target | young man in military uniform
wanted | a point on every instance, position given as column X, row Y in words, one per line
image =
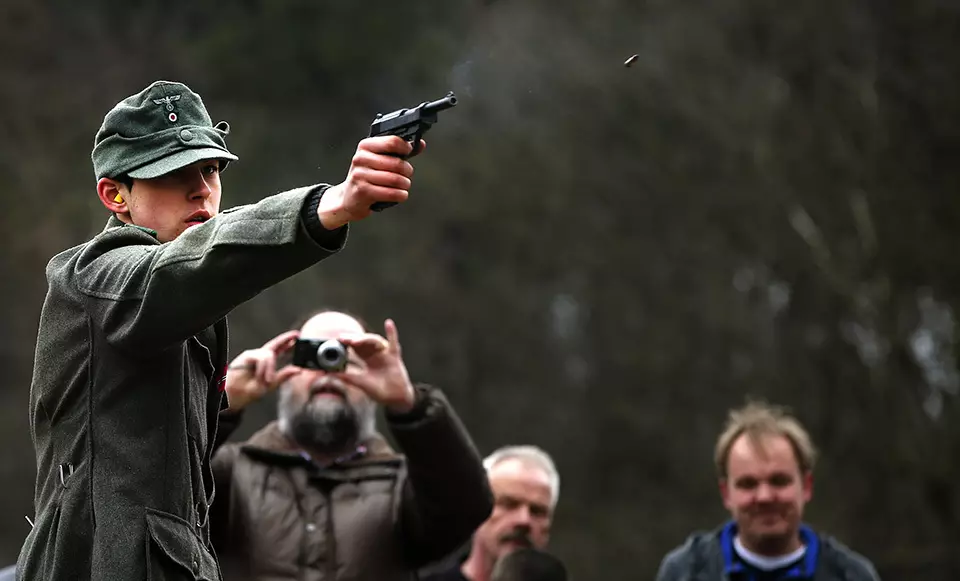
column 132, row 346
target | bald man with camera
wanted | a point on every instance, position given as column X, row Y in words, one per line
column 319, row 493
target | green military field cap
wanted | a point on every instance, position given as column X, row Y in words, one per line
column 160, row 129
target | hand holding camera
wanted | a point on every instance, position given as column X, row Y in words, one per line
column 383, row 375
column 254, row 373
column 380, row 372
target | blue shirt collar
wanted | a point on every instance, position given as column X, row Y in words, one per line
column 803, row 570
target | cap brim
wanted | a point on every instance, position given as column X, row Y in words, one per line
column 178, row 160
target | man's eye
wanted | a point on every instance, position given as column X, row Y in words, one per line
column 781, row 480
column 746, row 484
column 507, row 503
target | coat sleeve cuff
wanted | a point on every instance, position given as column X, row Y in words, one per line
column 421, row 403
column 326, row 239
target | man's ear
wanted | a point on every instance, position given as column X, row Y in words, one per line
column 111, row 194
column 807, row 486
column 724, row 486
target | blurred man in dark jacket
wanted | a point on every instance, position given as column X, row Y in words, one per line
column 765, row 460
column 319, row 494
column 132, row 345
column 526, row 488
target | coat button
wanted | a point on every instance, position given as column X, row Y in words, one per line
column 311, row 527
column 196, row 566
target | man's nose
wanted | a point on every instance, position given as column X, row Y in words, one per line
column 765, row 493
column 522, row 515
column 200, row 186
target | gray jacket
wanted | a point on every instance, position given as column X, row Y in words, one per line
column 702, row 558
column 128, row 383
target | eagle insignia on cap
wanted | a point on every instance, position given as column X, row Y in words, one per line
column 168, row 100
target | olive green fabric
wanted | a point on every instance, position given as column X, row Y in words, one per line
column 128, row 385
column 160, row 129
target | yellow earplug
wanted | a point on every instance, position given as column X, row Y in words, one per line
column 118, row 199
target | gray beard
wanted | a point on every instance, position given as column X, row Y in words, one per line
column 326, row 426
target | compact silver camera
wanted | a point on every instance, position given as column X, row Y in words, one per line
column 325, row 354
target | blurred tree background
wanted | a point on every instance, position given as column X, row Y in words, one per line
column 595, row 258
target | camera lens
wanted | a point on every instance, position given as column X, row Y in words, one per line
column 332, row 356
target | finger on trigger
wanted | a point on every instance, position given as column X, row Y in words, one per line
column 423, row 145
column 401, row 146
column 384, row 145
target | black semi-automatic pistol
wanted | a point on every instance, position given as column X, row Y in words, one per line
column 410, row 124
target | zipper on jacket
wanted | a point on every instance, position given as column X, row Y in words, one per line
column 332, row 544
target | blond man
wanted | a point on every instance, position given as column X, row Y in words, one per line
column 764, row 459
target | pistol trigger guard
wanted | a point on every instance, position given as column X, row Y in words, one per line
column 416, row 142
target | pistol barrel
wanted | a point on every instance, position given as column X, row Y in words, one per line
column 441, row 104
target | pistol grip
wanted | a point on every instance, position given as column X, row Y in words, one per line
column 381, row 206
column 413, row 140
